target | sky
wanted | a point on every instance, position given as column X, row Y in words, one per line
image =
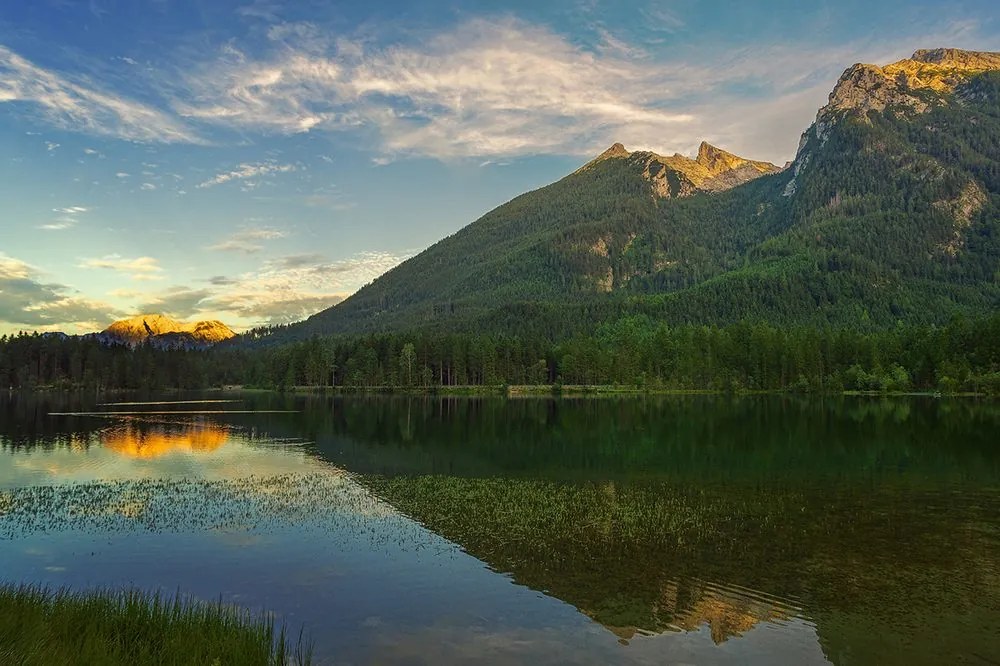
column 256, row 161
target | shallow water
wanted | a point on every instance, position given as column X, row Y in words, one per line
column 702, row 530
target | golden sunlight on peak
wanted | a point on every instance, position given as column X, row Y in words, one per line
column 134, row 442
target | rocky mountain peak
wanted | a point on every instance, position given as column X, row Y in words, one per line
column 931, row 77
column 981, row 60
column 717, row 160
column 903, row 84
column 617, row 150
column 713, row 170
column 135, row 330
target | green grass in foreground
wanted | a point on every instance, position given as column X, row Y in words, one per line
column 40, row 626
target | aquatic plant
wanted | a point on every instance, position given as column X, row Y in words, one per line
column 165, row 505
column 42, row 626
column 649, row 556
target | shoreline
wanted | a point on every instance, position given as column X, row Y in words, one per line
column 511, row 391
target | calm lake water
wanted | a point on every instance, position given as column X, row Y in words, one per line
column 689, row 530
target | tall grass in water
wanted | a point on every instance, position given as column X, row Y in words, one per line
column 105, row 628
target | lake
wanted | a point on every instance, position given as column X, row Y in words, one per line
column 691, row 530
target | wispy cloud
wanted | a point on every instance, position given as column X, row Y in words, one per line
column 500, row 87
column 66, row 218
column 283, row 290
column 181, row 302
column 139, row 268
column 248, row 171
column 293, row 287
column 658, row 18
column 487, row 88
column 248, row 241
column 80, row 106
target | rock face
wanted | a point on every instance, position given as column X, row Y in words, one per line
column 930, row 78
column 911, row 84
column 714, row 170
column 164, row 332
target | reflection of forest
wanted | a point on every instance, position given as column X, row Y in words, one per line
column 709, row 438
column 878, row 517
column 137, row 439
column 888, row 576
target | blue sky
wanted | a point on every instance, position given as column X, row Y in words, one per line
column 256, row 161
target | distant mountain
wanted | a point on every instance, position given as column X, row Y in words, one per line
column 714, row 170
column 889, row 212
column 163, row 332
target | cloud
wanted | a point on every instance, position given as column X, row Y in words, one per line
column 140, row 268
column 27, row 300
column 247, row 171
column 299, row 261
column 247, row 241
column 283, row 290
column 221, row 281
column 59, row 224
column 181, row 302
column 658, row 18
column 50, row 146
column 283, row 309
column 79, row 106
column 294, row 287
column 487, row 88
column 67, row 218
column 147, row 187
column 494, row 88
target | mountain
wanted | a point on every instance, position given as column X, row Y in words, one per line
column 890, row 212
column 163, row 332
column 714, row 170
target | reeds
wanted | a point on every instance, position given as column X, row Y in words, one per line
column 41, row 626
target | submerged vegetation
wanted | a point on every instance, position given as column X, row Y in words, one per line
column 253, row 504
column 132, row 628
column 647, row 556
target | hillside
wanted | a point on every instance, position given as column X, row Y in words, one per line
column 890, row 212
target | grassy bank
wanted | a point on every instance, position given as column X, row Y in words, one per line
column 39, row 626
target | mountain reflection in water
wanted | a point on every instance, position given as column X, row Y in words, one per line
column 695, row 530
column 143, row 439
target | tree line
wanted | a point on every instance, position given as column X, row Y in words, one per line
column 962, row 356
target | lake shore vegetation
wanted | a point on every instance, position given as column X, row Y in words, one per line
column 42, row 626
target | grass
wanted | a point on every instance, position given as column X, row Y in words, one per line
column 41, row 626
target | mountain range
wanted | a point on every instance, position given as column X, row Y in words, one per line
column 890, row 212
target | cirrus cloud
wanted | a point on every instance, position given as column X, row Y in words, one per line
column 490, row 87
column 248, row 241
column 139, row 268
column 81, row 106
column 247, row 171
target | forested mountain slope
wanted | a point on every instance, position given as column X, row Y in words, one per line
column 890, row 212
